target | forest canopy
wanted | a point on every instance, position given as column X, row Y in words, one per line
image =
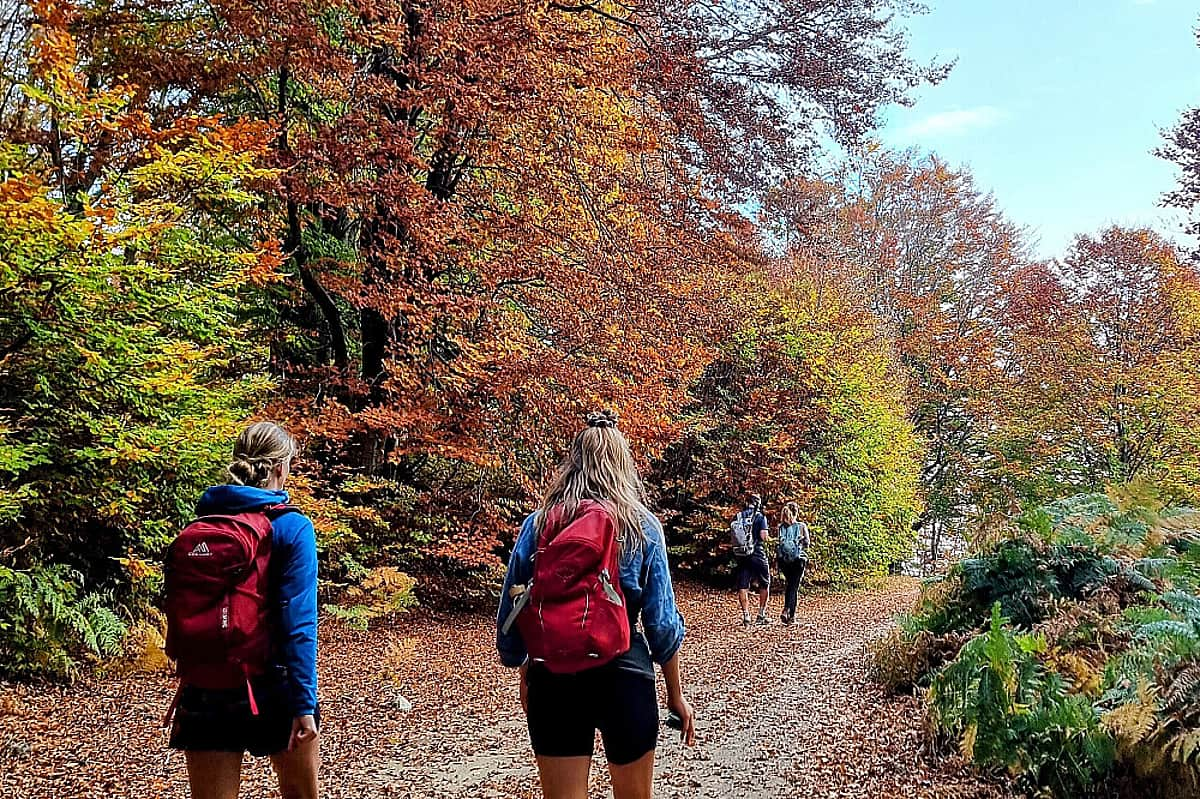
column 429, row 236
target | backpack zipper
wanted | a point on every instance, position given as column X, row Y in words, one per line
column 587, row 604
column 610, row 593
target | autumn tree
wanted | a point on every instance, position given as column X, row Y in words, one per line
column 922, row 247
column 805, row 403
column 1101, row 370
column 755, row 88
column 492, row 216
column 127, row 365
column 498, row 214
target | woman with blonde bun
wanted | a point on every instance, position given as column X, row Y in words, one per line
column 275, row 714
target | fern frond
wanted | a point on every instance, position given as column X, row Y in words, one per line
column 1182, row 692
column 1185, row 748
column 1183, row 603
column 1132, row 723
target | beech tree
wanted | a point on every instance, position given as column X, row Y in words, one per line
column 805, row 403
column 1101, row 377
column 473, row 220
column 925, row 250
column 127, row 362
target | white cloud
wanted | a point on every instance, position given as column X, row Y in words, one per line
column 953, row 123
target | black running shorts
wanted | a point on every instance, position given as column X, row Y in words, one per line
column 618, row 699
column 221, row 721
column 753, row 569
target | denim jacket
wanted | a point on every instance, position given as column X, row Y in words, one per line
column 645, row 582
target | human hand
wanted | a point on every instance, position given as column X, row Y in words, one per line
column 304, row 730
column 687, row 728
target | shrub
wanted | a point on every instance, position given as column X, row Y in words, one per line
column 380, row 593
column 48, row 627
column 1086, row 667
column 1007, row 713
column 908, row 655
column 899, row 658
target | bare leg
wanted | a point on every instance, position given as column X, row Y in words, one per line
column 763, row 594
column 297, row 770
column 744, row 601
column 633, row 780
column 564, row 777
column 214, row 775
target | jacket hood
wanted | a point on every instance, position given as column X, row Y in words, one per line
column 238, row 499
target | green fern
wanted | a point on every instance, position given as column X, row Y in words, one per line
column 1108, row 579
column 47, row 629
column 1008, row 714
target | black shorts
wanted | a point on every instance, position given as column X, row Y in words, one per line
column 618, row 699
column 221, row 721
column 752, row 569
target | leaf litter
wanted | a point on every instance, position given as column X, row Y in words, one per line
column 783, row 711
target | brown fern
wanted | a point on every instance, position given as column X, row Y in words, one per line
column 1132, row 723
column 1183, row 692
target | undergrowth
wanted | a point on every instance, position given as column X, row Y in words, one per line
column 1065, row 654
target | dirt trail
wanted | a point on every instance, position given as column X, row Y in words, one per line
column 782, row 711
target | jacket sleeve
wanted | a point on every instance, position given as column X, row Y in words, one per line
column 520, row 569
column 298, row 614
column 660, row 616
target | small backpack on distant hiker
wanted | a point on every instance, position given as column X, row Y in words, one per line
column 791, row 542
column 741, row 532
column 217, row 605
column 572, row 613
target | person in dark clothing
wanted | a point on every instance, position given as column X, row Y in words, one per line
column 216, row 727
column 792, row 552
column 753, row 570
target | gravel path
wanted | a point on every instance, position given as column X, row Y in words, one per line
column 781, row 711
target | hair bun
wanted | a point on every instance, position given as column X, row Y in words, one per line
column 602, row 419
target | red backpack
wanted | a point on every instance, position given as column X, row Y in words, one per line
column 218, row 609
column 576, row 617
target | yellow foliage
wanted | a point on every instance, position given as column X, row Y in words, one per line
column 144, row 653
column 389, row 579
column 1085, row 677
column 384, row 591
column 1132, row 723
column 967, row 745
column 1185, row 747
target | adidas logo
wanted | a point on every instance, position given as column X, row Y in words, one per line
column 200, row 551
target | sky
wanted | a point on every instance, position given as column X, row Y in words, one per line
column 1056, row 106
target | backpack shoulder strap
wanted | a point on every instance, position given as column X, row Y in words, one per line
column 273, row 512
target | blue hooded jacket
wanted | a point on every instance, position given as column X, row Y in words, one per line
column 293, row 580
column 645, row 582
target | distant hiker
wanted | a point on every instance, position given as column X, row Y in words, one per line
column 241, row 586
column 584, row 568
column 748, row 535
column 792, row 551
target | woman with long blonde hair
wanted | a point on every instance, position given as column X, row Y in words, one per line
column 792, row 553
column 597, row 495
